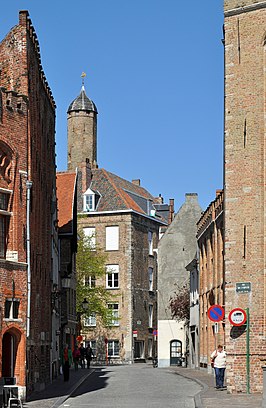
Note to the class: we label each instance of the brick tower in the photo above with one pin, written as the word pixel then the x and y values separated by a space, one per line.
pixel 82 131
pixel 245 199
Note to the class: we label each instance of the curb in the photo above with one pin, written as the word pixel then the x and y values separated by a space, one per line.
pixel 61 400
pixel 197 397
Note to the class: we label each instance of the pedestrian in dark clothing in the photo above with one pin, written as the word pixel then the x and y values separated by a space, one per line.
pixel 82 351
pixel 66 361
pixel 89 355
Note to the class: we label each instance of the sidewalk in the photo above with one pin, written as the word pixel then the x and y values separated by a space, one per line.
pixel 58 391
pixel 209 397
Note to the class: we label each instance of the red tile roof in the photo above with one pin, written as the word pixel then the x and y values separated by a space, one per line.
pixel 65 183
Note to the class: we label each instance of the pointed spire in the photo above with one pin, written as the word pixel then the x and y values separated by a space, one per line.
pixel 82 102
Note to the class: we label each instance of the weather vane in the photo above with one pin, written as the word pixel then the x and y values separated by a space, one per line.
pixel 83 75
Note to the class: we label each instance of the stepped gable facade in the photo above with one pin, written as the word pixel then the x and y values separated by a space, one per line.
pixel 27 191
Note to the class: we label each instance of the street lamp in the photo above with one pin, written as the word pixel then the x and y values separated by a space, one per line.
pixel 85 305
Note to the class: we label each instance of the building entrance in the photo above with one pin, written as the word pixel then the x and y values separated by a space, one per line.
pixel 139 349
pixel 175 352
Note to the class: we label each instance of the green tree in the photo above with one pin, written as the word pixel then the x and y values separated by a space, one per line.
pixel 90 267
pixel 179 303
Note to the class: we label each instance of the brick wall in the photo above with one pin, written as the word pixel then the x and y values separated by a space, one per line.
pixel 27 127
pixel 245 189
pixel 211 277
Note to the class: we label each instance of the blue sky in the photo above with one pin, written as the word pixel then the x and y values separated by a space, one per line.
pixel 155 72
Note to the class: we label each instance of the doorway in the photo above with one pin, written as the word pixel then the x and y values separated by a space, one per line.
pixel 9 347
pixel 138 349
pixel 175 352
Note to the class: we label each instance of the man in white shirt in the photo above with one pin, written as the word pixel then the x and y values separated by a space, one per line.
pixel 219 358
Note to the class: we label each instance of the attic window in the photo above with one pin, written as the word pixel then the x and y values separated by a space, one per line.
pixel 90 200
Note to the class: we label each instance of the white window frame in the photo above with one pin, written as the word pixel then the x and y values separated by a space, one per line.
pixel 90 281
pixel 150 315
pixel 112 238
pixel 11 310
pixel 89 206
pixel 150 240
pixel 150 272
pixel 112 271
pixel 90 321
pixel 115 313
pixel 90 233
pixel 114 347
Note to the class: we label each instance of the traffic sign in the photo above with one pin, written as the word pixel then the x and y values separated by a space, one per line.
pixel 216 313
pixel 237 317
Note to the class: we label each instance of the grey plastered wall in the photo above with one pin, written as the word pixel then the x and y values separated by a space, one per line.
pixel 176 249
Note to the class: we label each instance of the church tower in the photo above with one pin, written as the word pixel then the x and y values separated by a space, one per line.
pixel 82 131
pixel 244 189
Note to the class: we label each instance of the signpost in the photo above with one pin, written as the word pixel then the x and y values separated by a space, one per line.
pixel 237 317
pixel 243 287
pixel 216 313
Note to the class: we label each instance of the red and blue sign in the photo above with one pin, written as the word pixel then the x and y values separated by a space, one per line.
pixel 216 313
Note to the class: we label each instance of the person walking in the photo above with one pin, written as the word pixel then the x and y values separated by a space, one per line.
pixel 218 358
pixel 76 357
pixel 66 361
pixel 82 351
pixel 89 355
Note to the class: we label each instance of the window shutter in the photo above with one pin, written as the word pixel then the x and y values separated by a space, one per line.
pixel 112 238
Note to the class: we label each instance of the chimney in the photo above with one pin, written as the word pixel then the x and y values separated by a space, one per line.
pixel 136 182
pixel 171 210
pixel 159 199
pixel 86 175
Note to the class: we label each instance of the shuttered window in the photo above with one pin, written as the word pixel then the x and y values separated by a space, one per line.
pixel 112 238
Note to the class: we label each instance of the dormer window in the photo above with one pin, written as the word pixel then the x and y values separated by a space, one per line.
pixel 90 200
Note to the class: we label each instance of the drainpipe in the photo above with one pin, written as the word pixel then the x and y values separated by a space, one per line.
pixel 28 186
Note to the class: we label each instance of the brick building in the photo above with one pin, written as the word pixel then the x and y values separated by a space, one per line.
pixel 244 173
pixel 210 236
pixel 27 195
pixel 125 220
pixel 65 289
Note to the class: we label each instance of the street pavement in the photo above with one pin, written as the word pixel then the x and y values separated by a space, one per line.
pixel 209 397
pixel 105 382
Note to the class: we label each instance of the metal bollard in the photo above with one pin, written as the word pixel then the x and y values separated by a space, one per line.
pixel 264 388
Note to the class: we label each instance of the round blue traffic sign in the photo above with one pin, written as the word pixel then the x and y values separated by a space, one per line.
pixel 216 313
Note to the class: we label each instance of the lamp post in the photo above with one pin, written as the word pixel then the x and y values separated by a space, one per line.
pixel 85 305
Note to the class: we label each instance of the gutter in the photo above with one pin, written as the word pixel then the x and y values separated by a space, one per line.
pixel 28 186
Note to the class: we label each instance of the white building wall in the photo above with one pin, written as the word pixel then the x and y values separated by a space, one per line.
pixel 169 330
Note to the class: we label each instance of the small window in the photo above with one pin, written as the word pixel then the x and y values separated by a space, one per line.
pixel 90 321
pixel 4 201
pixel 90 281
pixel 112 272
pixel 2 236
pixel 150 279
pixel 150 237
pixel 112 238
pixel 90 200
pixel 150 315
pixel 11 308
pixel 114 310
pixel 113 348
pixel 89 233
